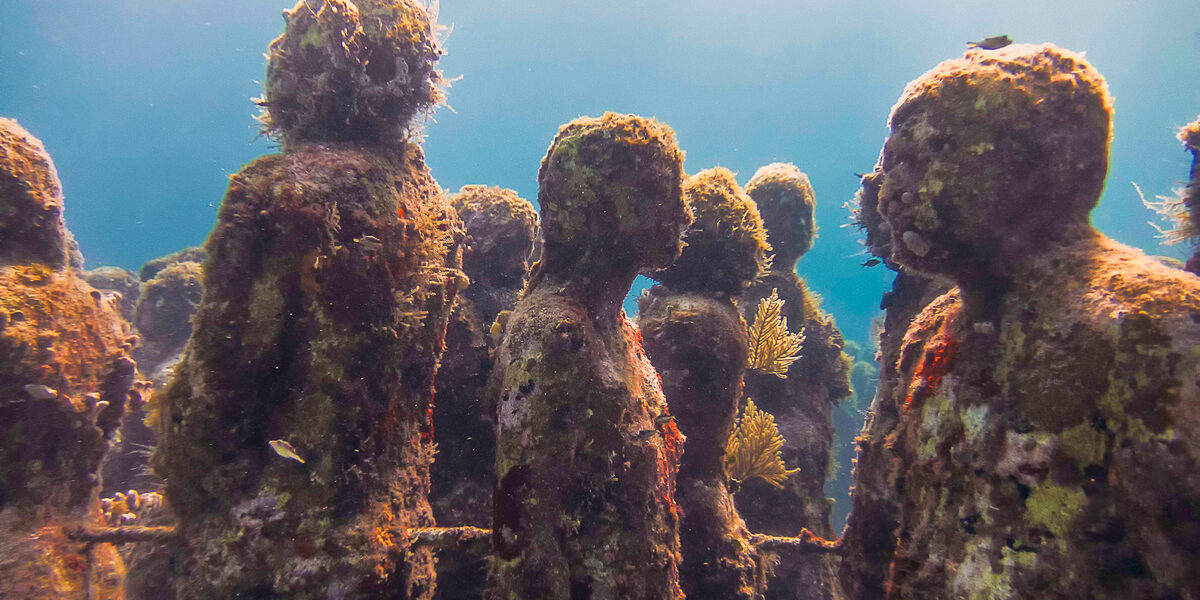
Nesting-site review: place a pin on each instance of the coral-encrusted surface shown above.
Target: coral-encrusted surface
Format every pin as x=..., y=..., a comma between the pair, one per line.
x=64, y=379
x=992, y=157
x=162, y=320
x=351, y=71
x=329, y=281
x=164, y=312
x=868, y=540
x=803, y=403
x=584, y=505
x=697, y=341
x=31, y=201
x=464, y=423
x=803, y=406
x=1058, y=457
x=786, y=201
x=154, y=266
x=58, y=334
x=1045, y=410
x=608, y=229
x=726, y=244
x=501, y=229
x=116, y=279
x=698, y=344
x=585, y=497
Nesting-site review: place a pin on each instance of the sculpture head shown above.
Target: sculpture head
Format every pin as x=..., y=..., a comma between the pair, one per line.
x=351, y=71
x=992, y=157
x=786, y=202
x=502, y=228
x=610, y=191
x=727, y=245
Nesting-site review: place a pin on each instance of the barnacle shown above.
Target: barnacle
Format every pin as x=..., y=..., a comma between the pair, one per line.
x=772, y=347
x=753, y=449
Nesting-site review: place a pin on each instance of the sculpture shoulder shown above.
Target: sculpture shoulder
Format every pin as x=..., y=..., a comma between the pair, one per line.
x=1099, y=282
x=1127, y=276
x=318, y=167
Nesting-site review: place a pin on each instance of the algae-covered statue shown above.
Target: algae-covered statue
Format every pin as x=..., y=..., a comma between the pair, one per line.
x=804, y=400
x=872, y=519
x=585, y=466
x=501, y=230
x=296, y=437
x=1048, y=410
x=696, y=338
x=65, y=378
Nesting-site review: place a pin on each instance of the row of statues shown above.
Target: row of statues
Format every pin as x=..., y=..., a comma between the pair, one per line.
x=389, y=391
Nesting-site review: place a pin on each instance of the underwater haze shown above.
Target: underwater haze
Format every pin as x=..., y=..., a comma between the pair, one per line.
x=363, y=387
x=145, y=105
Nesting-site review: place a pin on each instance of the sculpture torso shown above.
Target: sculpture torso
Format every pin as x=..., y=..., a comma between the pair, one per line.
x=584, y=497
x=1054, y=457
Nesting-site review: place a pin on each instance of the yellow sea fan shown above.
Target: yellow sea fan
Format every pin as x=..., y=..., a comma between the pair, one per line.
x=753, y=449
x=772, y=347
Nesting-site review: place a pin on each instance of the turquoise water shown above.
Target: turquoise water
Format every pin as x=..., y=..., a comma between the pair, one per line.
x=144, y=104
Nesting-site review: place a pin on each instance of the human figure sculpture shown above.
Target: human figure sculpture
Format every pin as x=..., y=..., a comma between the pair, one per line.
x=803, y=402
x=295, y=433
x=584, y=503
x=871, y=523
x=696, y=338
x=501, y=230
x=65, y=378
x=1045, y=443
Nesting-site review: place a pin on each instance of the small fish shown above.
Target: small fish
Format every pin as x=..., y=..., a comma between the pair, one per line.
x=645, y=435
x=871, y=262
x=663, y=419
x=40, y=392
x=370, y=243
x=285, y=450
x=1169, y=261
x=995, y=42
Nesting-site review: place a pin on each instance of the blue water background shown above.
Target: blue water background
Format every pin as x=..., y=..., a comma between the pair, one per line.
x=144, y=104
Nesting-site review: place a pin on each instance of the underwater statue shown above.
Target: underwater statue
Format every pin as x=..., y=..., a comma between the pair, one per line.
x=696, y=339
x=1046, y=433
x=162, y=321
x=584, y=503
x=166, y=304
x=65, y=378
x=296, y=434
x=501, y=233
x=803, y=402
x=871, y=523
